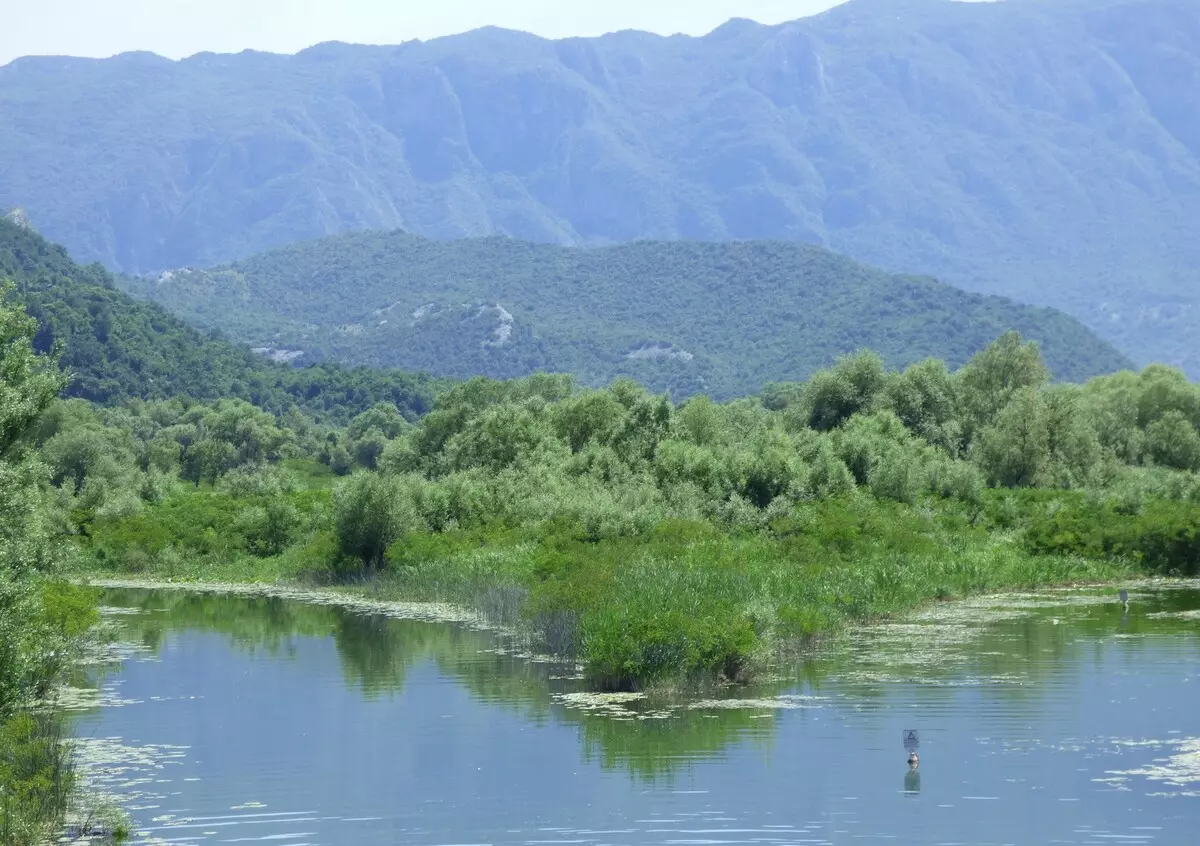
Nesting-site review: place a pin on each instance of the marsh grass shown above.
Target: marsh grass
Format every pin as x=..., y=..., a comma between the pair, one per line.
x=685, y=604
x=37, y=776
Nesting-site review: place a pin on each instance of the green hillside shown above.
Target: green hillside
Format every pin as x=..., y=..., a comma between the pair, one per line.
x=1044, y=150
x=117, y=348
x=722, y=319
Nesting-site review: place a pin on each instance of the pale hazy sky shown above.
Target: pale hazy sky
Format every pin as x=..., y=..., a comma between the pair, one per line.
x=178, y=28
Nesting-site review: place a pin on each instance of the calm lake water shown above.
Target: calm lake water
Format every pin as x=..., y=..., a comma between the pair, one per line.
x=1047, y=718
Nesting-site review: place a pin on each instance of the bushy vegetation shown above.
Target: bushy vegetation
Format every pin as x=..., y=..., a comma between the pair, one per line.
x=648, y=310
x=655, y=539
x=41, y=617
x=116, y=348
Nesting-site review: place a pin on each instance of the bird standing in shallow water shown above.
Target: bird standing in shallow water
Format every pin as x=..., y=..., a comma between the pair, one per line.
x=913, y=760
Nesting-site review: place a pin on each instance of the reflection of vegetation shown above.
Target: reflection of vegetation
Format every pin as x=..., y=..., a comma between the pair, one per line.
x=377, y=652
x=657, y=749
x=257, y=622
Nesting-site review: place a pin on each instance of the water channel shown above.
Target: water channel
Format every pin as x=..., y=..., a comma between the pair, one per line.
x=1047, y=718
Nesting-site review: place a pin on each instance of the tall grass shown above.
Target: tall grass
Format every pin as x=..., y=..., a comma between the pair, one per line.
x=37, y=777
x=687, y=599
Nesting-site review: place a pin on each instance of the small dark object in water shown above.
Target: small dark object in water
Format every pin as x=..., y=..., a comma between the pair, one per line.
x=89, y=830
x=913, y=759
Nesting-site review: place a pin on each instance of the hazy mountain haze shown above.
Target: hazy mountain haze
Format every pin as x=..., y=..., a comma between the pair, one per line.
x=179, y=28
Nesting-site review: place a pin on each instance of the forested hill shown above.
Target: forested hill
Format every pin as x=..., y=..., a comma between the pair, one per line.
x=691, y=317
x=1046, y=150
x=118, y=348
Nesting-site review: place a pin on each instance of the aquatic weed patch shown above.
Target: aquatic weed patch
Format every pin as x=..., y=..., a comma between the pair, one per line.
x=115, y=774
x=977, y=641
x=1180, y=768
x=348, y=598
x=783, y=702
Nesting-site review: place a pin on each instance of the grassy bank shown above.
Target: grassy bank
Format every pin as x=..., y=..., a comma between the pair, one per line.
x=683, y=597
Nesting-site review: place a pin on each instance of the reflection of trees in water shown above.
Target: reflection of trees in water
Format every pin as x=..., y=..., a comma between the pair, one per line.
x=660, y=749
x=251, y=622
x=377, y=653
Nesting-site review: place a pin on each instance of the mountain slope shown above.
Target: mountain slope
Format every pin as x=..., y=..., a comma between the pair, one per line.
x=1047, y=150
x=687, y=316
x=118, y=348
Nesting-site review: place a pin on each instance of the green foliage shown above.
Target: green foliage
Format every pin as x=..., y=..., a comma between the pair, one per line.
x=41, y=620
x=270, y=529
x=995, y=375
x=370, y=513
x=36, y=775
x=1161, y=534
x=926, y=399
x=116, y=348
x=504, y=309
x=1173, y=441
x=655, y=541
x=851, y=386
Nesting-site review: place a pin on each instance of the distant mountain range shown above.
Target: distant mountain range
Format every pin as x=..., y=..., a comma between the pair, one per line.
x=1047, y=150
x=689, y=317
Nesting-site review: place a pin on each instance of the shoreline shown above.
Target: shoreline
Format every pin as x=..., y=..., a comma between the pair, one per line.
x=352, y=598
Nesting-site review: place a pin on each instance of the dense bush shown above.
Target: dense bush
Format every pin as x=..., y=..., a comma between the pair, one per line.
x=1161, y=534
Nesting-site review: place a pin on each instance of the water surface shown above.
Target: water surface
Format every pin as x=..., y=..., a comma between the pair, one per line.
x=1049, y=718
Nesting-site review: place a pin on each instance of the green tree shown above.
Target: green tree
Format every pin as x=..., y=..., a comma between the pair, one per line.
x=207, y=460
x=371, y=512
x=994, y=375
x=1014, y=450
x=833, y=396
x=38, y=618
x=1172, y=441
x=925, y=398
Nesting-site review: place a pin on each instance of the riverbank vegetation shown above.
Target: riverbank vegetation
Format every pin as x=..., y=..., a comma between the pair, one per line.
x=650, y=539
x=41, y=616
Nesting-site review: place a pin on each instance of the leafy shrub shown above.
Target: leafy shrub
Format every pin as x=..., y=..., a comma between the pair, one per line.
x=1161, y=535
x=371, y=512
x=1172, y=441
